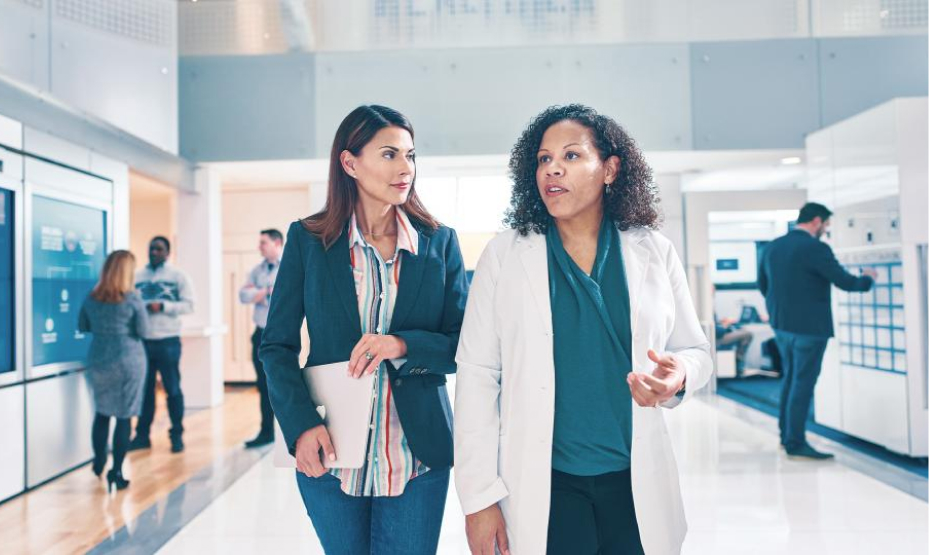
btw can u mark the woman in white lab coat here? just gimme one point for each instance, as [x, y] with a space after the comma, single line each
[579, 332]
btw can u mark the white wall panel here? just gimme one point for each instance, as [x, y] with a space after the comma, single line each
[871, 407]
[24, 41]
[118, 60]
[11, 133]
[59, 415]
[13, 440]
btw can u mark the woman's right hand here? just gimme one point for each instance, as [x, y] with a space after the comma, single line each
[307, 452]
[486, 528]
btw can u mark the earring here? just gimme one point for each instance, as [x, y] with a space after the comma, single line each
[609, 189]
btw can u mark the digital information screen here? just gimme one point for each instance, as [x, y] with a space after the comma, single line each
[68, 251]
[7, 309]
[734, 262]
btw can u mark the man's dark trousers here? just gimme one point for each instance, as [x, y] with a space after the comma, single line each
[801, 358]
[164, 356]
[267, 413]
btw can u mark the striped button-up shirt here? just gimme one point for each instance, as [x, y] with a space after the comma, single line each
[390, 463]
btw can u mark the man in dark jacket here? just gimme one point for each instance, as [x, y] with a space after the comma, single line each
[796, 277]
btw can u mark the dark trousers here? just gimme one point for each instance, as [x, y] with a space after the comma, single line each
[593, 515]
[267, 413]
[99, 438]
[164, 356]
[801, 361]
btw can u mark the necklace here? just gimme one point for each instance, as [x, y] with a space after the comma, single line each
[373, 234]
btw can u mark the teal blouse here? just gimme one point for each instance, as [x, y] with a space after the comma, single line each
[593, 345]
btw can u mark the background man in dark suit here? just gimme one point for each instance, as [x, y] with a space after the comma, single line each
[796, 277]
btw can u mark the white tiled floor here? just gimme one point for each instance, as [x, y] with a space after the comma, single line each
[743, 496]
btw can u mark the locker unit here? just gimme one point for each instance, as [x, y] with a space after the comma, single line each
[870, 170]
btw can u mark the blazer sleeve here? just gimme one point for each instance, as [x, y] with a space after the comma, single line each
[434, 351]
[477, 392]
[687, 341]
[280, 345]
[825, 264]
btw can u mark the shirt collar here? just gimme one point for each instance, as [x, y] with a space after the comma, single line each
[407, 236]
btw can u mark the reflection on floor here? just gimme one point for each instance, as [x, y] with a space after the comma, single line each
[742, 495]
[764, 394]
[75, 513]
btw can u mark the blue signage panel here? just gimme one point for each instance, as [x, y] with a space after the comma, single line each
[68, 250]
[7, 321]
[727, 264]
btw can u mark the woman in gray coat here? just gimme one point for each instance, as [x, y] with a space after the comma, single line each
[115, 315]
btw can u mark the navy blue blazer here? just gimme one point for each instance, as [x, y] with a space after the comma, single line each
[427, 316]
[796, 276]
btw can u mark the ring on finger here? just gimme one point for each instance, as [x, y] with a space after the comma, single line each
[369, 356]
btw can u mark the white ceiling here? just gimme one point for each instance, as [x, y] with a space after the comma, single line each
[252, 27]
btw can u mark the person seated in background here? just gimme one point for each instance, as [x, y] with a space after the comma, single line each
[727, 334]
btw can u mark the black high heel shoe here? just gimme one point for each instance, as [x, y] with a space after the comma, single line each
[114, 478]
[98, 467]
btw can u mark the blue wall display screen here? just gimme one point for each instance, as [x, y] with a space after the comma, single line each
[7, 328]
[68, 251]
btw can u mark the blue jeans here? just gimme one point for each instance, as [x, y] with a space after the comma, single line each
[408, 524]
[801, 360]
[164, 357]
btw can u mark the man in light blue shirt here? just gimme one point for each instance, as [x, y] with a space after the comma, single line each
[257, 291]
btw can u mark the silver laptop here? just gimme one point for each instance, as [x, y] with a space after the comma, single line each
[345, 405]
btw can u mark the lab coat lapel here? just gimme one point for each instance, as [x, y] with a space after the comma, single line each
[635, 259]
[534, 257]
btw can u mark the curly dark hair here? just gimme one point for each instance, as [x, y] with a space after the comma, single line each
[631, 203]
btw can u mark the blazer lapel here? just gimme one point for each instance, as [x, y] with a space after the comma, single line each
[635, 259]
[340, 270]
[411, 278]
[534, 256]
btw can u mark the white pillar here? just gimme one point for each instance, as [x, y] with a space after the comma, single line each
[199, 252]
[672, 208]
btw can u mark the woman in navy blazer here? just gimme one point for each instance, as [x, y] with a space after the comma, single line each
[382, 286]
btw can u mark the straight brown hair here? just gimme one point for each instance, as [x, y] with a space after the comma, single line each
[355, 131]
[117, 278]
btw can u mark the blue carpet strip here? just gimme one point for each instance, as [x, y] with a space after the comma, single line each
[763, 394]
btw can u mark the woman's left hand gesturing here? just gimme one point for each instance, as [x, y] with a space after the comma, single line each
[372, 350]
[665, 381]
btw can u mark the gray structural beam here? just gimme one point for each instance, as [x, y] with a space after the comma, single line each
[43, 112]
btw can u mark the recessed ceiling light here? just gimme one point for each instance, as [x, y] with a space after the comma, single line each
[791, 160]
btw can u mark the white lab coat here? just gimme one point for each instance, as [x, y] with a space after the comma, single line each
[505, 389]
